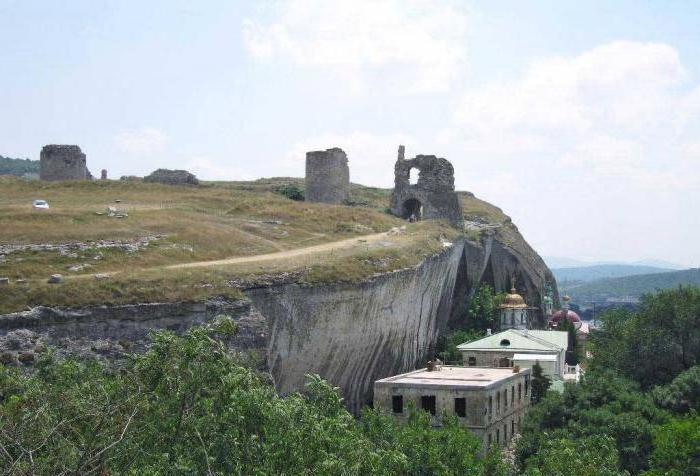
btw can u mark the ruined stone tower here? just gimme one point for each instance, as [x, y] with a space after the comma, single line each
[327, 176]
[433, 196]
[62, 162]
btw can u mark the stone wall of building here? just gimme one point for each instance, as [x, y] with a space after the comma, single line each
[509, 401]
[433, 196]
[62, 162]
[327, 176]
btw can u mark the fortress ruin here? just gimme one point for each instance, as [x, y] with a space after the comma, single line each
[63, 162]
[433, 196]
[327, 176]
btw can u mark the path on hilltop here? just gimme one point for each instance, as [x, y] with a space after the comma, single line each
[334, 245]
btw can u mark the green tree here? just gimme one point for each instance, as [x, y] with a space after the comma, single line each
[447, 344]
[682, 395]
[654, 344]
[573, 354]
[677, 448]
[588, 456]
[482, 308]
[539, 383]
[188, 406]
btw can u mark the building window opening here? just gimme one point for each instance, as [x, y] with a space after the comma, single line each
[520, 391]
[498, 402]
[512, 395]
[427, 403]
[397, 403]
[490, 405]
[461, 407]
[498, 436]
[489, 440]
[526, 385]
[413, 175]
[472, 361]
[505, 342]
[412, 210]
[512, 427]
[504, 362]
[505, 433]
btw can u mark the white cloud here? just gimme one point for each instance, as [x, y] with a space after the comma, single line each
[146, 140]
[622, 109]
[206, 168]
[408, 45]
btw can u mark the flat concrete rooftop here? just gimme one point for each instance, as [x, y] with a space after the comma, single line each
[477, 377]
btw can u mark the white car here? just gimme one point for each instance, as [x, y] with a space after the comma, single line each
[40, 204]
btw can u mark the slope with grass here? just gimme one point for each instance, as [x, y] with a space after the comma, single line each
[349, 292]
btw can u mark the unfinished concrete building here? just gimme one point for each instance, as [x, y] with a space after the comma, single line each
[63, 162]
[432, 196]
[327, 176]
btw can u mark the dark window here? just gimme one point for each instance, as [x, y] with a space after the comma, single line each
[505, 342]
[490, 404]
[427, 403]
[520, 391]
[489, 440]
[461, 407]
[397, 403]
[512, 427]
[512, 395]
[498, 436]
[472, 361]
[526, 384]
[498, 402]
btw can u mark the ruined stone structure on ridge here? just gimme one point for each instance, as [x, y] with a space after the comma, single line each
[433, 196]
[63, 162]
[103, 175]
[327, 176]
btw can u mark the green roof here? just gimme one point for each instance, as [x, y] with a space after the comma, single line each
[520, 341]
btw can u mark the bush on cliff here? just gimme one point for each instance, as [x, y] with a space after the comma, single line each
[188, 406]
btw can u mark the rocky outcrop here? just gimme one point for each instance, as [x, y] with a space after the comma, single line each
[172, 177]
[500, 255]
[354, 334]
[113, 331]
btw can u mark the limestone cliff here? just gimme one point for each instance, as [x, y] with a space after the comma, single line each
[349, 333]
[353, 334]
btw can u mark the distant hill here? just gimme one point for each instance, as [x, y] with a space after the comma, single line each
[19, 167]
[565, 262]
[631, 287]
[601, 271]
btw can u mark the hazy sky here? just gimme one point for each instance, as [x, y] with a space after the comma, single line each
[580, 119]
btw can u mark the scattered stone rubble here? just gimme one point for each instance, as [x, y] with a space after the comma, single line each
[70, 249]
[172, 177]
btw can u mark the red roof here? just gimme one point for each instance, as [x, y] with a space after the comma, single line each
[570, 315]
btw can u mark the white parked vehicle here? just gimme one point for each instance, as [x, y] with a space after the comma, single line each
[41, 204]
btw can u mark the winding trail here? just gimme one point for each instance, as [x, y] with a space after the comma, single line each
[309, 250]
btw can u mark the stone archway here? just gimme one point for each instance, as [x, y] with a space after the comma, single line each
[414, 207]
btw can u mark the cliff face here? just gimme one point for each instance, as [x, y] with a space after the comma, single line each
[349, 333]
[353, 334]
[498, 257]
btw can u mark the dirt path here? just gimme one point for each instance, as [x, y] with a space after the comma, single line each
[335, 245]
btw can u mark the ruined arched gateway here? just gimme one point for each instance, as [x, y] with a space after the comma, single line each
[433, 196]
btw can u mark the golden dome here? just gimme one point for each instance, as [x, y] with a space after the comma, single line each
[513, 300]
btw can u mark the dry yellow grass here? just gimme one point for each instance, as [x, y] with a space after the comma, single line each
[203, 223]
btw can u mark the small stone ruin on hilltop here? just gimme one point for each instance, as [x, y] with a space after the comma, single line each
[432, 196]
[63, 162]
[171, 177]
[327, 176]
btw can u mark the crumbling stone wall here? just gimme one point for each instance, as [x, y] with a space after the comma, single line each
[63, 162]
[171, 177]
[327, 176]
[433, 197]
